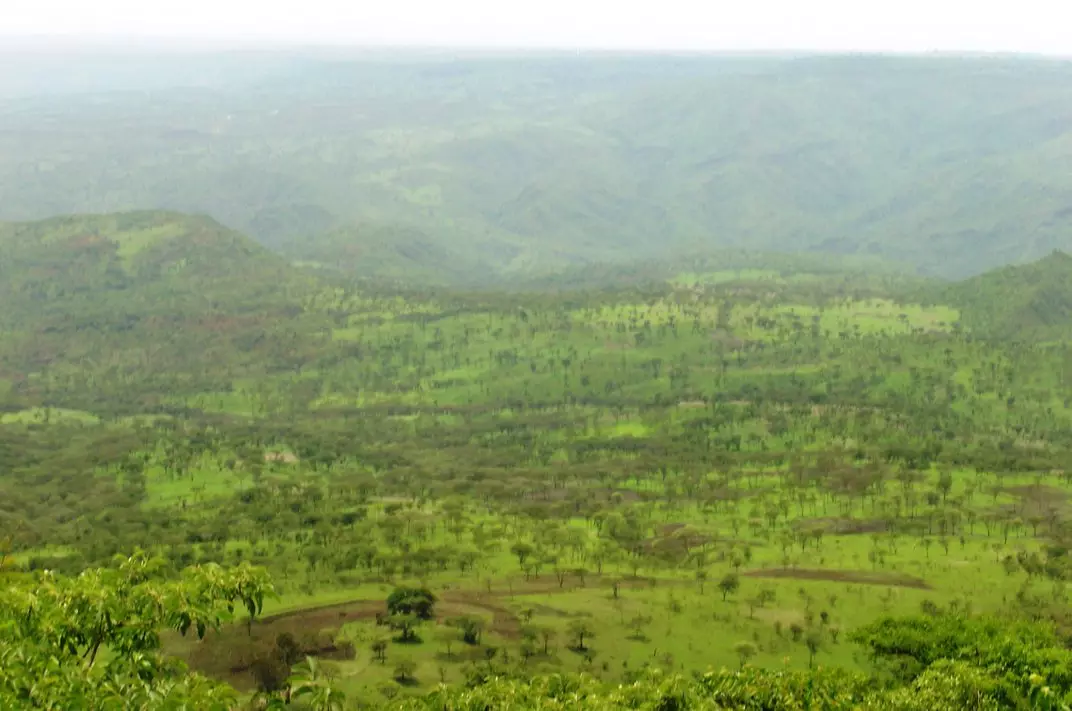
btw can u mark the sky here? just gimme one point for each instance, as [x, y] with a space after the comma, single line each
[1031, 26]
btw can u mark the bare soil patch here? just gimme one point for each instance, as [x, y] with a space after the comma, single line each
[549, 611]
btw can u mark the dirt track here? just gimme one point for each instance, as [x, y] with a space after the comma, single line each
[861, 577]
[451, 604]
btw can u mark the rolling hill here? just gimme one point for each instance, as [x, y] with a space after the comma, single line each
[125, 300]
[1024, 302]
[128, 266]
[464, 169]
[132, 312]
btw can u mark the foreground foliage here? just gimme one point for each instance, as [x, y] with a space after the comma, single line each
[93, 641]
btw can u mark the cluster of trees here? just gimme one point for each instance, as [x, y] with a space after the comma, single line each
[93, 641]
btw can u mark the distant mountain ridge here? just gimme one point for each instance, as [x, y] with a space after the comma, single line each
[465, 170]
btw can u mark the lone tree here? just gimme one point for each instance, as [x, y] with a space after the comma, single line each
[522, 550]
[404, 671]
[379, 650]
[406, 626]
[814, 642]
[470, 628]
[547, 635]
[580, 630]
[448, 637]
[729, 584]
[745, 651]
[419, 602]
[637, 625]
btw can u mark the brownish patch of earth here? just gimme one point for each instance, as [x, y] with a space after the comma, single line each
[862, 577]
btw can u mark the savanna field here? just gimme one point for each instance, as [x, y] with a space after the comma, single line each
[743, 472]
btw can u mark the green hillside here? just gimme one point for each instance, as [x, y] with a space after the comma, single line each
[118, 300]
[1032, 301]
[465, 169]
[182, 263]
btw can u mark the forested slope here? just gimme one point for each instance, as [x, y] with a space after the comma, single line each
[1030, 302]
[123, 298]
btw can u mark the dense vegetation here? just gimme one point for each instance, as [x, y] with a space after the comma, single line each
[723, 482]
[467, 169]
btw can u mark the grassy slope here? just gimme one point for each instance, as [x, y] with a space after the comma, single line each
[180, 262]
[460, 170]
[113, 295]
[1032, 302]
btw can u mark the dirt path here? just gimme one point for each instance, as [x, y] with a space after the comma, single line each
[453, 603]
[862, 577]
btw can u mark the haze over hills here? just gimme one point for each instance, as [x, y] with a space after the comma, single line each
[113, 265]
[470, 169]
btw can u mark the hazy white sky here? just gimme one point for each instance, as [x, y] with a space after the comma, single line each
[1043, 26]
